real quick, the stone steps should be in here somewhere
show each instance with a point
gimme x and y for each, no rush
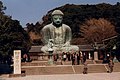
(78, 69)
(42, 68)
(116, 67)
(62, 69)
(90, 61)
(96, 69)
(48, 70)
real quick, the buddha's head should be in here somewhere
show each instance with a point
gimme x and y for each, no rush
(57, 17)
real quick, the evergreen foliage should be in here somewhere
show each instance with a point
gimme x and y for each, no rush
(12, 35)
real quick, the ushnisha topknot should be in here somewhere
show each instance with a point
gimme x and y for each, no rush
(57, 12)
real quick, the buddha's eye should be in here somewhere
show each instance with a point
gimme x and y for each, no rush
(55, 18)
(60, 18)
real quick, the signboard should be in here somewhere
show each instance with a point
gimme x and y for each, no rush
(17, 61)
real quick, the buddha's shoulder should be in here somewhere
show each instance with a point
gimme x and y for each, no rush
(48, 25)
(52, 26)
(66, 26)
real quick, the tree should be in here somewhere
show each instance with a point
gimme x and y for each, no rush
(34, 33)
(12, 35)
(2, 8)
(96, 30)
(118, 42)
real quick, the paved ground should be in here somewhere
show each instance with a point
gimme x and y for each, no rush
(91, 76)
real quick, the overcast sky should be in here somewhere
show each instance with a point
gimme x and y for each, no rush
(31, 11)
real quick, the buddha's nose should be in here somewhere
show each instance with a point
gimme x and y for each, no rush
(58, 20)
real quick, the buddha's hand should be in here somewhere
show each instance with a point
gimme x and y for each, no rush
(66, 44)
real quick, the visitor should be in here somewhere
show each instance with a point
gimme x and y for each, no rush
(68, 56)
(85, 69)
(111, 65)
(73, 59)
(78, 59)
(26, 58)
(84, 58)
(64, 56)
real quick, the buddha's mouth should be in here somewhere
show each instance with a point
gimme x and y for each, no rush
(58, 22)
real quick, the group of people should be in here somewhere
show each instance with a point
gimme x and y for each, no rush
(76, 58)
(79, 58)
(26, 58)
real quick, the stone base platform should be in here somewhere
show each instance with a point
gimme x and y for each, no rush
(17, 75)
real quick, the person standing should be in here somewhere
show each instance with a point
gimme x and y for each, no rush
(85, 69)
(73, 59)
(78, 59)
(64, 56)
(111, 65)
(84, 58)
(68, 56)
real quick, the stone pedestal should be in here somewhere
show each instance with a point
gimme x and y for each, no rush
(50, 61)
(17, 62)
(115, 60)
(95, 55)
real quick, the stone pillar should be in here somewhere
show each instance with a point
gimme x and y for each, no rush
(95, 55)
(89, 56)
(17, 61)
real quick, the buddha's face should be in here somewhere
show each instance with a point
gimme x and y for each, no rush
(57, 19)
